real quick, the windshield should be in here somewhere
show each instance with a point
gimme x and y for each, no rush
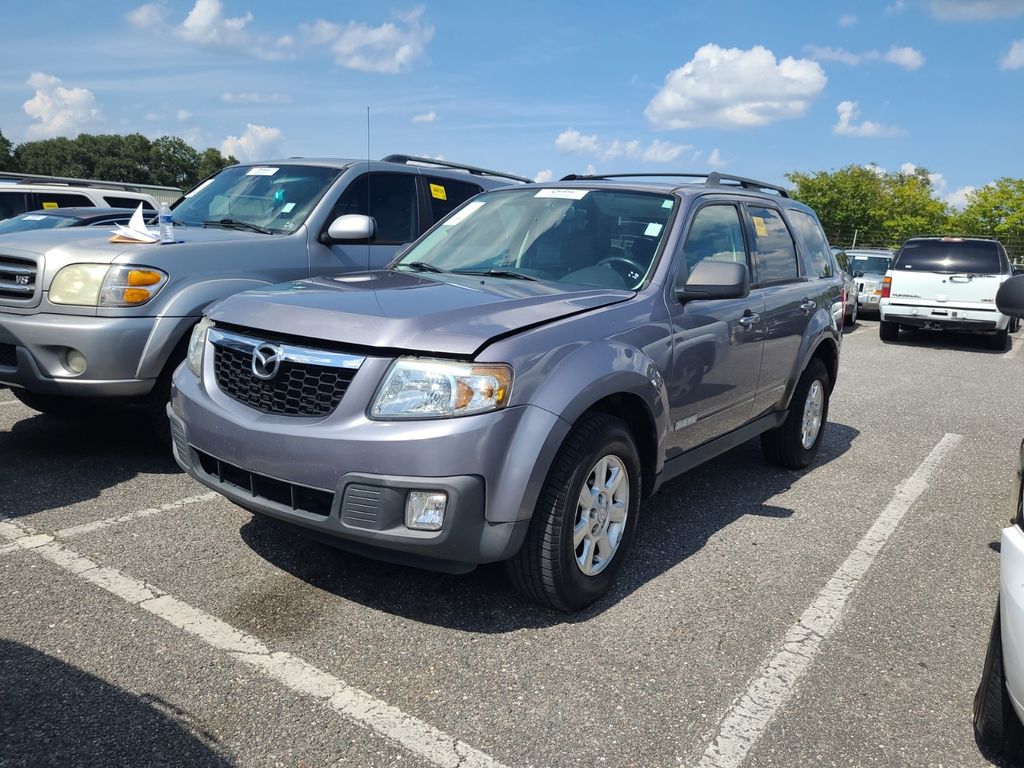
(870, 265)
(603, 238)
(273, 198)
(27, 221)
(950, 256)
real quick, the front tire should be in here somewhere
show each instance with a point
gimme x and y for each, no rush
(996, 725)
(888, 331)
(584, 519)
(794, 443)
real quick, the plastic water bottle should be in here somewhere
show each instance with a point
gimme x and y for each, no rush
(166, 224)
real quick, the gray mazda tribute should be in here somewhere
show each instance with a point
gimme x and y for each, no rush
(518, 380)
(85, 320)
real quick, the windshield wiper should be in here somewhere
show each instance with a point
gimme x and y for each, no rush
(236, 224)
(421, 266)
(497, 273)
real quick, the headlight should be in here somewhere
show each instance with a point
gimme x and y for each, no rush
(101, 285)
(196, 345)
(425, 389)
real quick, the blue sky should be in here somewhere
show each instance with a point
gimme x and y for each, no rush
(539, 88)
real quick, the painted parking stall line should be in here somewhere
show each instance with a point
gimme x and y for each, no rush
(779, 676)
(416, 736)
(110, 522)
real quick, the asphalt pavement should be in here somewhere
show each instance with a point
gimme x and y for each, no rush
(832, 617)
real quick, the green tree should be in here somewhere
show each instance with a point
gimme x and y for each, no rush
(6, 153)
(173, 163)
(852, 199)
(996, 210)
(912, 208)
(211, 160)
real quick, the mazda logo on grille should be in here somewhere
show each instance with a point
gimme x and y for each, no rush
(266, 361)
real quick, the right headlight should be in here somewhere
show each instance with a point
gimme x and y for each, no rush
(417, 388)
(196, 345)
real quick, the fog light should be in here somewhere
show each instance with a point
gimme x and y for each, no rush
(424, 510)
(74, 361)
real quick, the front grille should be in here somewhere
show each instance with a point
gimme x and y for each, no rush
(307, 382)
(17, 278)
(8, 356)
(296, 497)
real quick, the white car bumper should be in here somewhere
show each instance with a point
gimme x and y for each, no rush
(1011, 593)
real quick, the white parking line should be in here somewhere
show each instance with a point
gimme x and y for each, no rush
(1018, 345)
(97, 525)
(750, 714)
(418, 737)
(10, 402)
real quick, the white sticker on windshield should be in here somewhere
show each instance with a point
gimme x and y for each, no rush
(287, 207)
(653, 229)
(464, 214)
(564, 194)
(32, 217)
(199, 188)
(261, 170)
(667, 204)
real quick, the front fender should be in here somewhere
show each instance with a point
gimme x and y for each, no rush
(182, 311)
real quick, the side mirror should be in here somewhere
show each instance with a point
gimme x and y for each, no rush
(351, 226)
(716, 280)
(858, 273)
(1010, 297)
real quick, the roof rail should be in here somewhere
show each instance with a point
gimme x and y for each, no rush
(713, 179)
(33, 178)
(472, 169)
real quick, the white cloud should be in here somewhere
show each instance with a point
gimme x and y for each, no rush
(958, 199)
(847, 125)
(183, 115)
(847, 20)
(572, 142)
(715, 160)
(590, 170)
(390, 48)
(938, 181)
(60, 111)
(426, 117)
(252, 97)
(732, 88)
(975, 10)
(898, 7)
(1014, 59)
(876, 169)
(546, 175)
(149, 16)
(908, 58)
(257, 141)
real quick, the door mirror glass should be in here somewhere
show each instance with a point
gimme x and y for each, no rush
(1010, 297)
(716, 280)
(351, 226)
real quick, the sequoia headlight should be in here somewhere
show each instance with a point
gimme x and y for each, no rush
(196, 345)
(102, 285)
(420, 388)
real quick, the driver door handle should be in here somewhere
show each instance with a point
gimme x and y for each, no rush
(749, 319)
(809, 306)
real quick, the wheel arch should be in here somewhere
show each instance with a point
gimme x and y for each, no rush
(635, 413)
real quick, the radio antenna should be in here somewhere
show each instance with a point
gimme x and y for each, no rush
(368, 213)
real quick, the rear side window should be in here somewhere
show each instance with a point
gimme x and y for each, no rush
(62, 200)
(775, 259)
(950, 256)
(12, 202)
(716, 234)
(814, 244)
(446, 195)
(127, 202)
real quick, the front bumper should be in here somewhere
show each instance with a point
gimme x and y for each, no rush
(34, 348)
(943, 318)
(1011, 595)
(345, 477)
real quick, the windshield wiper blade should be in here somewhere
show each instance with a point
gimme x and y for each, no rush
(498, 273)
(236, 224)
(421, 266)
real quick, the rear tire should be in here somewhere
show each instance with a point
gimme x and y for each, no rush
(996, 725)
(588, 506)
(851, 316)
(997, 341)
(795, 442)
(888, 331)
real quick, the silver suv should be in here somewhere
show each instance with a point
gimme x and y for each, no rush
(516, 382)
(84, 318)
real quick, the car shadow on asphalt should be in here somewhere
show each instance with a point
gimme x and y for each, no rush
(49, 462)
(952, 340)
(54, 714)
(674, 524)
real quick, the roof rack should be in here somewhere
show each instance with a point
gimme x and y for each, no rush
(472, 169)
(713, 179)
(63, 181)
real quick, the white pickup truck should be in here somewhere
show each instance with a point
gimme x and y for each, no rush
(946, 283)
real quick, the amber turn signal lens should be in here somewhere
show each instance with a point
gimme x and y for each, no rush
(143, 277)
(136, 295)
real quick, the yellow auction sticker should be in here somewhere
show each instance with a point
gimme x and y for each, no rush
(48, 206)
(436, 190)
(759, 227)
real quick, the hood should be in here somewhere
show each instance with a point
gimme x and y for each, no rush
(438, 314)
